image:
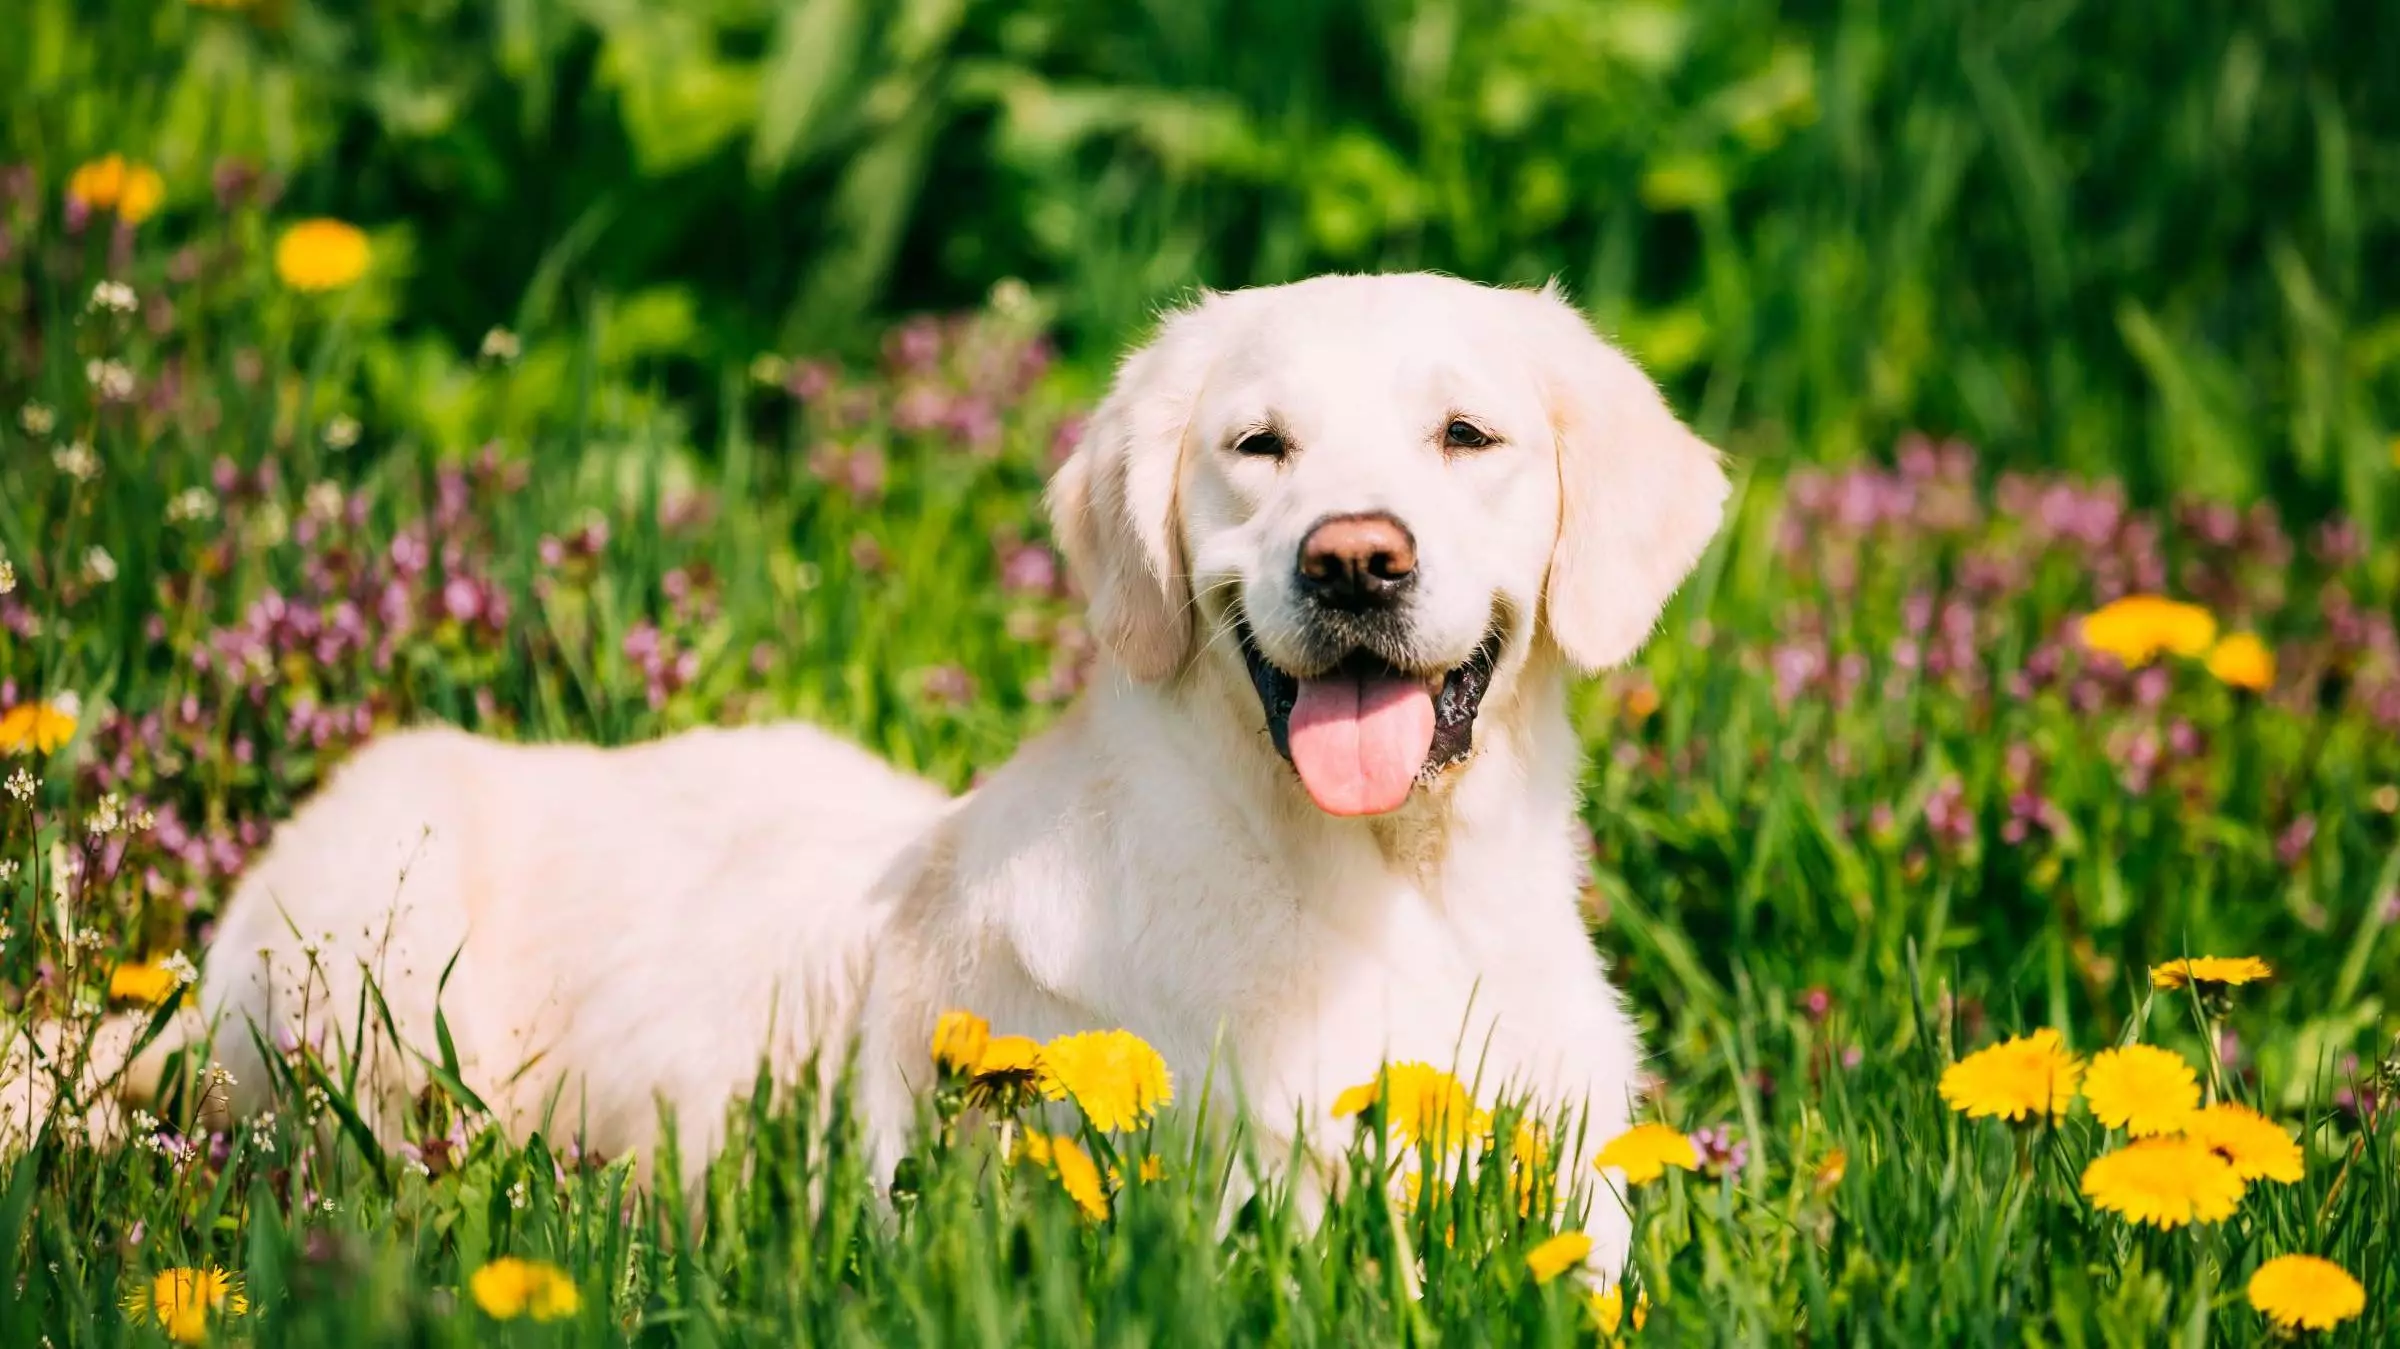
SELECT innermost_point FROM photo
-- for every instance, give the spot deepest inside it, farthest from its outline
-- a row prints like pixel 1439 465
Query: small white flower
pixel 323 500
pixel 517 1195
pixel 501 345
pixel 342 432
pixel 76 460
pixel 112 379
pixel 107 816
pixel 268 526
pixel 144 1122
pixel 1011 298
pixel 37 419
pixel 115 297
pixel 98 565
pixel 21 785
pixel 8 576
pixel 180 965
pixel 192 503
pixel 8 869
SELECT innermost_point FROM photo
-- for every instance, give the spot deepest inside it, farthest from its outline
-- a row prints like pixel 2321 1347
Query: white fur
pixel 639 926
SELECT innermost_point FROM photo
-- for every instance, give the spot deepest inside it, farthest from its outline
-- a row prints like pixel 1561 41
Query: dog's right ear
pixel 1112 504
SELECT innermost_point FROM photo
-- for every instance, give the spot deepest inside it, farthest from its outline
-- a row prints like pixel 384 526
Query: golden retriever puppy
pixel 1345 540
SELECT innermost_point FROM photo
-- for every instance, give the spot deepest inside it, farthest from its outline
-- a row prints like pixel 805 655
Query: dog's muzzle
pixel 1362 731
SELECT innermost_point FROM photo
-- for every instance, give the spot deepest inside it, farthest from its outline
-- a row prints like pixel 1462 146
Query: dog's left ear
pixel 1112 504
pixel 1640 496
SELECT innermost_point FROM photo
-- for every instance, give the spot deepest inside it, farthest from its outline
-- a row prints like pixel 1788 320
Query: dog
pixel 1344 543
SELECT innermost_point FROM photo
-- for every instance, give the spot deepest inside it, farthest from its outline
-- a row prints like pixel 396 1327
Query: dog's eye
pixel 1464 435
pixel 1265 444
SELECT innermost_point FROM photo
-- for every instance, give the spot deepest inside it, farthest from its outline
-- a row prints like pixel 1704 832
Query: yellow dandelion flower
pixel 1414 1191
pixel 1357 1100
pixel 1065 1158
pixel 1557 1255
pixel 37 728
pixel 1152 1170
pixel 321 254
pixel 2029 1075
pixel 1608 1308
pixel 1420 1102
pixel 1008 1054
pixel 2243 661
pixel 1531 1168
pixel 2165 1182
pixel 2221 971
pixel 959 1039
pixel 2141 1089
pixel 1641 702
pixel 1115 1078
pixel 2137 628
pixel 2306 1292
pixel 145 982
pixel 510 1287
pixel 2257 1147
pixel 131 189
pixel 184 1300
pixel 1645 1151
pixel 1005 1073
pixel 1830 1171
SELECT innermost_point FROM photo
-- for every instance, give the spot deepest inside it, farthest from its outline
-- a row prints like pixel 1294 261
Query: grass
pixel 1865 806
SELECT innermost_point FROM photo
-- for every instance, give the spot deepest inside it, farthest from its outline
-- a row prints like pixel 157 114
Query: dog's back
pixel 646 919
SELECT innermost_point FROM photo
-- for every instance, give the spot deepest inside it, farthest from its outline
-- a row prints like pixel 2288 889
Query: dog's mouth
pixel 1362 732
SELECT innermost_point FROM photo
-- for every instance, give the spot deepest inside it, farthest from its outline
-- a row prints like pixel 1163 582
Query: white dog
pixel 1345 541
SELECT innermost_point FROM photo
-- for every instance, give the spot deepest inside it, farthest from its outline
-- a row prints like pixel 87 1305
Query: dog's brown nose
pixel 1360 561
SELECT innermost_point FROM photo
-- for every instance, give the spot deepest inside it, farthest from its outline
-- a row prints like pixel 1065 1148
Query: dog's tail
pixel 83 1077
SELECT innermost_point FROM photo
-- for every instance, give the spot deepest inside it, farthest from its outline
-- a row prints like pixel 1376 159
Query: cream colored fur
pixel 639 926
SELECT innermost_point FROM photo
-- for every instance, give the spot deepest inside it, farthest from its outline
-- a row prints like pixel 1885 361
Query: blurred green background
pixel 2134 237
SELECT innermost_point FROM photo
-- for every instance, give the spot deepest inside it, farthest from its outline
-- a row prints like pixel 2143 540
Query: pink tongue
pixel 1358 743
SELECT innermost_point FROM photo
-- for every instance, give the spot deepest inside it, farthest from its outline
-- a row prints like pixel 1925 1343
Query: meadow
pixel 593 372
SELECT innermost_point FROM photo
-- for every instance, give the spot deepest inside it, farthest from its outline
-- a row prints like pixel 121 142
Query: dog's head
pixel 1381 492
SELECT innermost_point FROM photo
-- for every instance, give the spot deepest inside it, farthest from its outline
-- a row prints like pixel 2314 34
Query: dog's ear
pixel 1112 504
pixel 1639 494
